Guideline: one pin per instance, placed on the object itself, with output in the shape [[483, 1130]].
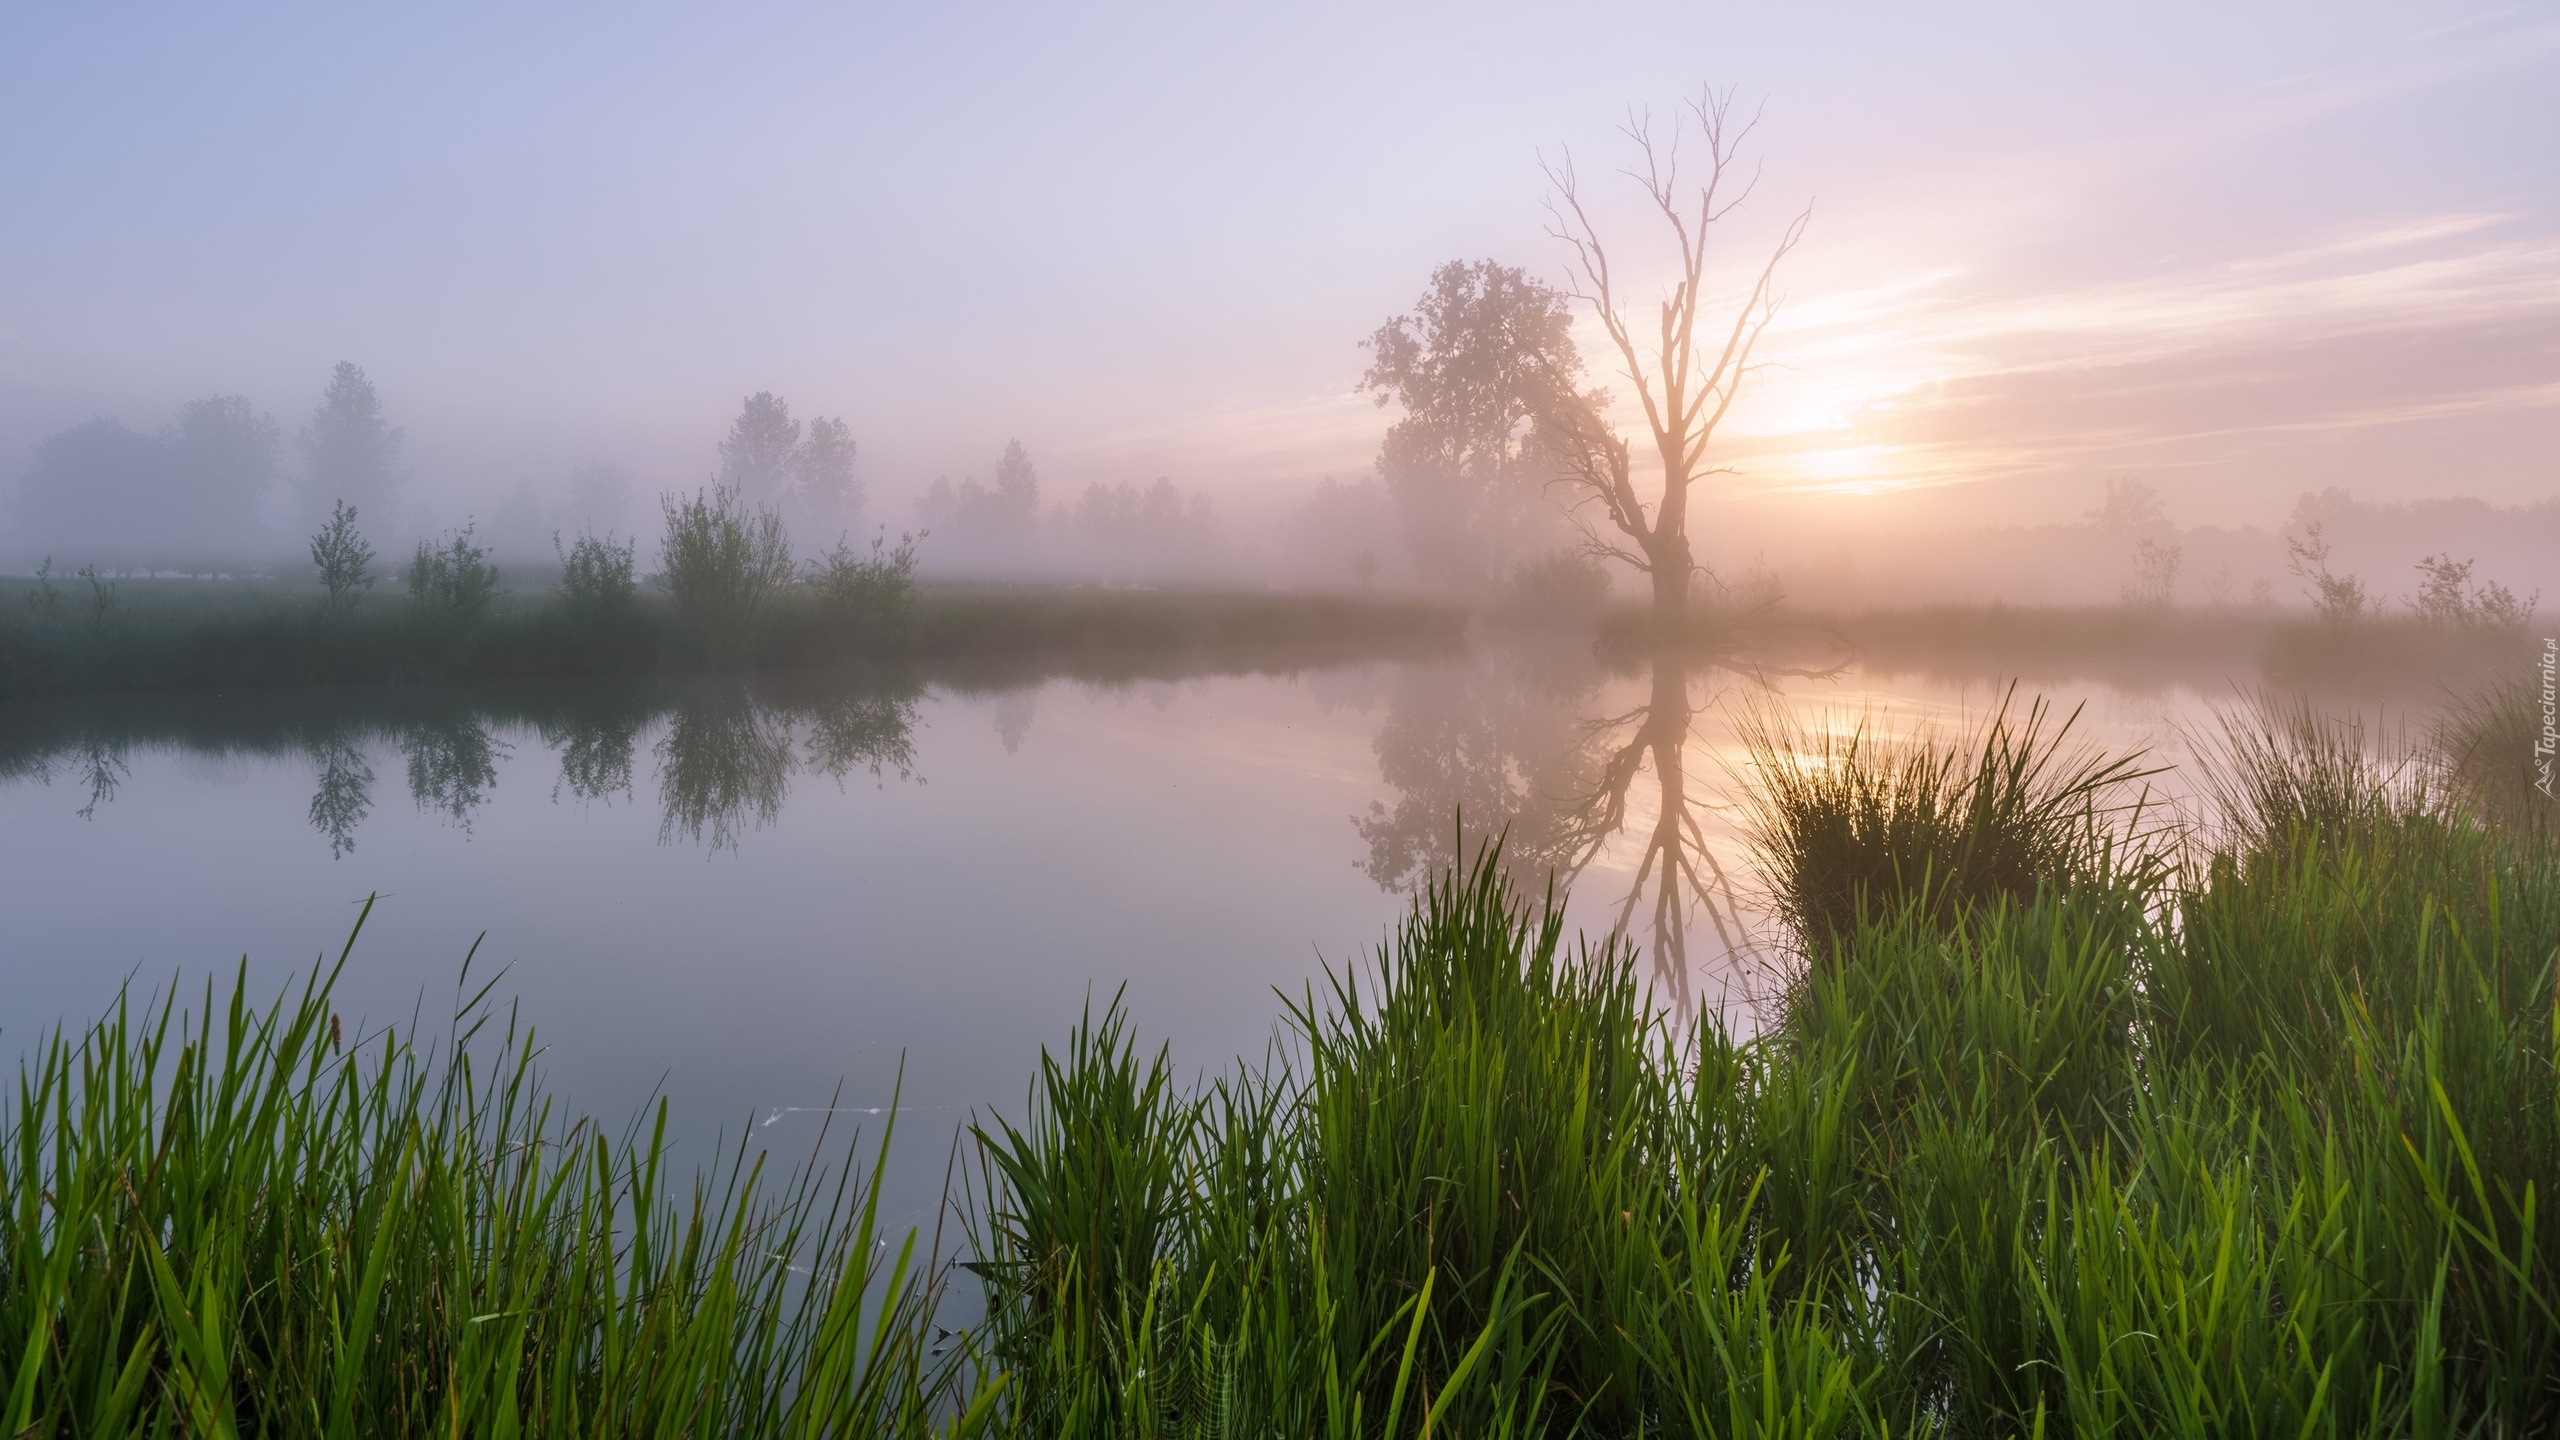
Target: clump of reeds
[[2279, 768], [1468, 1209], [1852, 826], [247, 1221], [2493, 757]]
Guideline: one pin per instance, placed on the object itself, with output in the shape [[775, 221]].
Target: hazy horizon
[[2240, 256]]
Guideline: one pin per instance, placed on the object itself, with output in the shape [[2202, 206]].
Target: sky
[[2237, 251]]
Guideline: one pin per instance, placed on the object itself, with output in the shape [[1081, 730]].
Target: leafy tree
[[762, 452], [2446, 596], [2338, 599], [722, 562], [2131, 508], [828, 488], [454, 579], [1010, 507], [345, 560], [222, 460], [596, 574], [350, 453], [1484, 354], [599, 494], [45, 601], [2156, 564], [1149, 530], [94, 488], [2134, 513], [1017, 491], [186, 498], [876, 591]]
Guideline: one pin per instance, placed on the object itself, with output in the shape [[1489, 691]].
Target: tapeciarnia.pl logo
[[2549, 740]]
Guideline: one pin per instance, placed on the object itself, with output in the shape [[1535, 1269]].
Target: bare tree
[[1687, 368]]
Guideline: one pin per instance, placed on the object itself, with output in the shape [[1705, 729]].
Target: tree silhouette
[[1484, 354], [350, 453], [829, 493], [93, 490], [222, 460], [761, 454], [1685, 369]]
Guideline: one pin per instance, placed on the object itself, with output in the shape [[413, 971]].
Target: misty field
[[2067, 1121]]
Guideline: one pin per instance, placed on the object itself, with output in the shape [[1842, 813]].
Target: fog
[[1101, 302]]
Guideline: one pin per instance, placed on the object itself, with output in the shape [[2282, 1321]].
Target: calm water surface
[[747, 894]]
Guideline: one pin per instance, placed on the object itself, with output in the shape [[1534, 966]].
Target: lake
[[762, 896]]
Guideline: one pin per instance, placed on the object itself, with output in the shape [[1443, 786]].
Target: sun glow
[[1842, 469]]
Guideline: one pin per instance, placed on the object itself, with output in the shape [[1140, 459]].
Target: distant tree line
[[1120, 530], [193, 497]]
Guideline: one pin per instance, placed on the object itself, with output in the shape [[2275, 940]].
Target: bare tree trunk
[[1671, 567], [1686, 379]]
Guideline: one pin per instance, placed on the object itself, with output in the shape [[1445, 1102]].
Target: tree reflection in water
[[863, 730], [453, 764], [725, 756], [103, 769], [1512, 749], [726, 760], [1498, 743], [595, 744], [342, 793]]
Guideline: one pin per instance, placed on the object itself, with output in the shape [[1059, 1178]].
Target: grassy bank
[[246, 1220], [2248, 1138], [197, 635], [2068, 1124]]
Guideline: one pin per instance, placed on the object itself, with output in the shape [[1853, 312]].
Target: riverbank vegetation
[[726, 593], [593, 616], [2237, 1128], [211, 636]]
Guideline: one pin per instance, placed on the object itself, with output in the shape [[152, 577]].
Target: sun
[[1840, 469]]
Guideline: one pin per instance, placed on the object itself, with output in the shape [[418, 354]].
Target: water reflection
[[453, 765], [724, 763], [726, 752], [872, 731], [344, 793], [1014, 712], [1538, 748], [103, 768], [595, 745], [1502, 746]]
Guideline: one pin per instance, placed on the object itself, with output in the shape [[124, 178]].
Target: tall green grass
[[241, 1220], [2250, 1137], [2255, 1138], [1854, 825]]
